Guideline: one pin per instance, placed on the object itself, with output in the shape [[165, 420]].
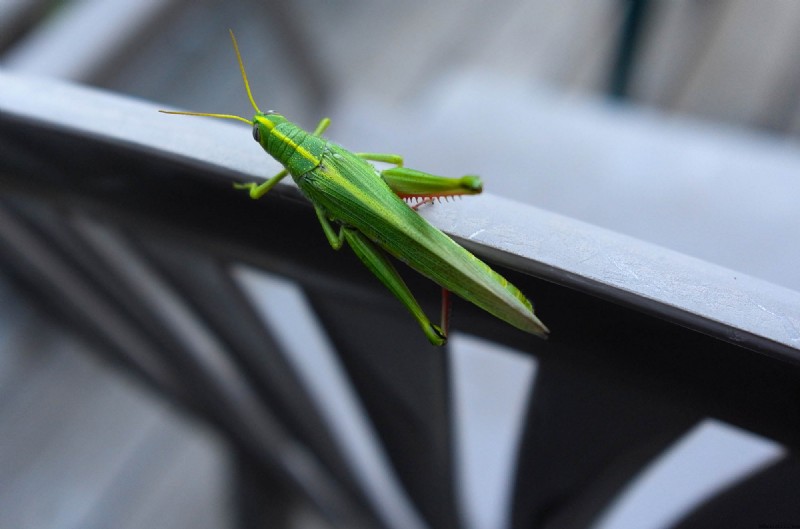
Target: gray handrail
[[718, 301], [629, 312]]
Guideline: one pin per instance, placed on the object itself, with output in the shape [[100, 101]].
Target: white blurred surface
[[707, 460]]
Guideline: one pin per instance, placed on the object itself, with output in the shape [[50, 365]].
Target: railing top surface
[[696, 294]]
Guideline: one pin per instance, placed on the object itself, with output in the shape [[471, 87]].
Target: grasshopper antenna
[[244, 74], [246, 87]]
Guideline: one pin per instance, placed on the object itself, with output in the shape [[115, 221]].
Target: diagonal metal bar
[[403, 382]]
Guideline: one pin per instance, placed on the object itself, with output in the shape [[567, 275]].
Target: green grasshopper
[[370, 211]]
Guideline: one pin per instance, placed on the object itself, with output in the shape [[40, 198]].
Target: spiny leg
[[422, 202], [411, 183], [380, 265]]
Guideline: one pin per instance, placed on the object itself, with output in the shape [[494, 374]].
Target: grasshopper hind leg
[[410, 183], [380, 265]]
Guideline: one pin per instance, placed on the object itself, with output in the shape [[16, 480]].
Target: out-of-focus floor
[[82, 445]]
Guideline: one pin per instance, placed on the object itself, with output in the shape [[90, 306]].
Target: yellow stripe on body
[[286, 140], [358, 193]]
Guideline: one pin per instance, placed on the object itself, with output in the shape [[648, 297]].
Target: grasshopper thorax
[[290, 145]]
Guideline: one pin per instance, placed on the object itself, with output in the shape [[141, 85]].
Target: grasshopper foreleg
[[259, 190]]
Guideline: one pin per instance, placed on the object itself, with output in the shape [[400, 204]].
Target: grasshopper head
[[264, 122]]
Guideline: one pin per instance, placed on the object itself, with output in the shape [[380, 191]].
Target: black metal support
[[630, 37]]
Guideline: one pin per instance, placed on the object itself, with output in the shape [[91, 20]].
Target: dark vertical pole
[[629, 37]]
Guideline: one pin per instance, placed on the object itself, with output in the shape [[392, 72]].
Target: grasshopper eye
[[256, 133]]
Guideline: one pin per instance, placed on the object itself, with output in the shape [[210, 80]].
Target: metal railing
[[125, 222]]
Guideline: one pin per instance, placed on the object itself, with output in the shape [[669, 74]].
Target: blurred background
[[672, 121]]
